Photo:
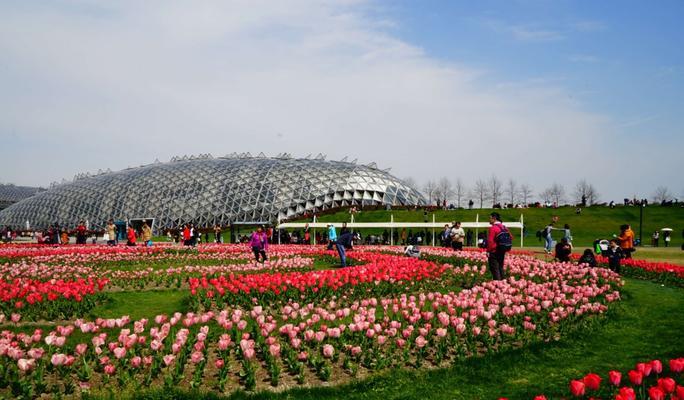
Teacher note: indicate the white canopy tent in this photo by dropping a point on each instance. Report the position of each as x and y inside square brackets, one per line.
[435, 226]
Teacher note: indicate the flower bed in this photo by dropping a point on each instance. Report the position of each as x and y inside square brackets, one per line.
[281, 324]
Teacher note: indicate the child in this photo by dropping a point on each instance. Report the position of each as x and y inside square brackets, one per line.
[614, 254]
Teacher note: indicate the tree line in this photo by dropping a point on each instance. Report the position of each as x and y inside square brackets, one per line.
[496, 191]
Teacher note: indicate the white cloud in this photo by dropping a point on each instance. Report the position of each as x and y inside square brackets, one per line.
[111, 85]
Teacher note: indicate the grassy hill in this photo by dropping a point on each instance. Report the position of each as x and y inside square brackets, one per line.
[593, 222]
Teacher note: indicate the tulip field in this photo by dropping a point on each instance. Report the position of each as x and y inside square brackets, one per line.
[296, 322]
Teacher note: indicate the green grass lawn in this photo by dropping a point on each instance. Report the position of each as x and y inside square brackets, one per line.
[142, 304]
[594, 222]
[643, 327]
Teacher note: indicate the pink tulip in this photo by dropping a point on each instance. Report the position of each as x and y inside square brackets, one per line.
[328, 351]
[169, 359]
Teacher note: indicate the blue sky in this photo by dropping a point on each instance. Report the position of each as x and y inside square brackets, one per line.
[621, 58]
[541, 92]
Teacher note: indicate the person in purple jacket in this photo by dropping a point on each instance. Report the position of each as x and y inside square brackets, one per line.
[259, 243]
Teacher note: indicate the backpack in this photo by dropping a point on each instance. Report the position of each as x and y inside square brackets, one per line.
[503, 240]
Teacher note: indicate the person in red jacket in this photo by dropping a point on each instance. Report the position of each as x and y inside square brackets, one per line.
[496, 249]
[130, 236]
[187, 235]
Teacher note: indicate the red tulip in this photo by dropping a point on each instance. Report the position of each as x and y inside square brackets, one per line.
[679, 392]
[657, 366]
[592, 381]
[577, 388]
[644, 368]
[677, 365]
[540, 397]
[636, 377]
[667, 384]
[656, 393]
[627, 393]
[615, 377]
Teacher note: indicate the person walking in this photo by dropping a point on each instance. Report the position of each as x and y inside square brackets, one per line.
[666, 238]
[614, 254]
[656, 237]
[259, 244]
[548, 238]
[146, 234]
[499, 242]
[626, 240]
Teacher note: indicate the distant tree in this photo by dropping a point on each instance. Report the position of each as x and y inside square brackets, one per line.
[480, 191]
[661, 194]
[443, 190]
[460, 190]
[586, 190]
[526, 192]
[429, 189]
[556, 193]
[495, 189]
[512, 191]
[546, 195]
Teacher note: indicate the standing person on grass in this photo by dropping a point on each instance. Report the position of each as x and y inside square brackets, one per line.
[627, 240]
[457, 236]
[259, 244]
[111, 233]
[499, 242]
[146, 234]
[615, 255]
[332, 236]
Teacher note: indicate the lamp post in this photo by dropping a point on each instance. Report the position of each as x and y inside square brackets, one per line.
[641, 221]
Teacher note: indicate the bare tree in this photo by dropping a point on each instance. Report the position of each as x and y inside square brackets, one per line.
[495, 189]
[585, 191]
[443, 190]
[525, 193]
[511, 191]
[480, 191]
[661, 194]
[459, 191]
[556, 193]
[429, 189]
[546, 195]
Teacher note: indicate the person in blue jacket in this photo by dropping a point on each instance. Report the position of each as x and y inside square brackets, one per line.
[332, 236]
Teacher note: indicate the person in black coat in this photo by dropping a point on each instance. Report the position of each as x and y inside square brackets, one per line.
[587, 258]
[615, 255]
[563, 250]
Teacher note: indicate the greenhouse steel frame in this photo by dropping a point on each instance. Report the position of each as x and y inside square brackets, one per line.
[209, 191]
